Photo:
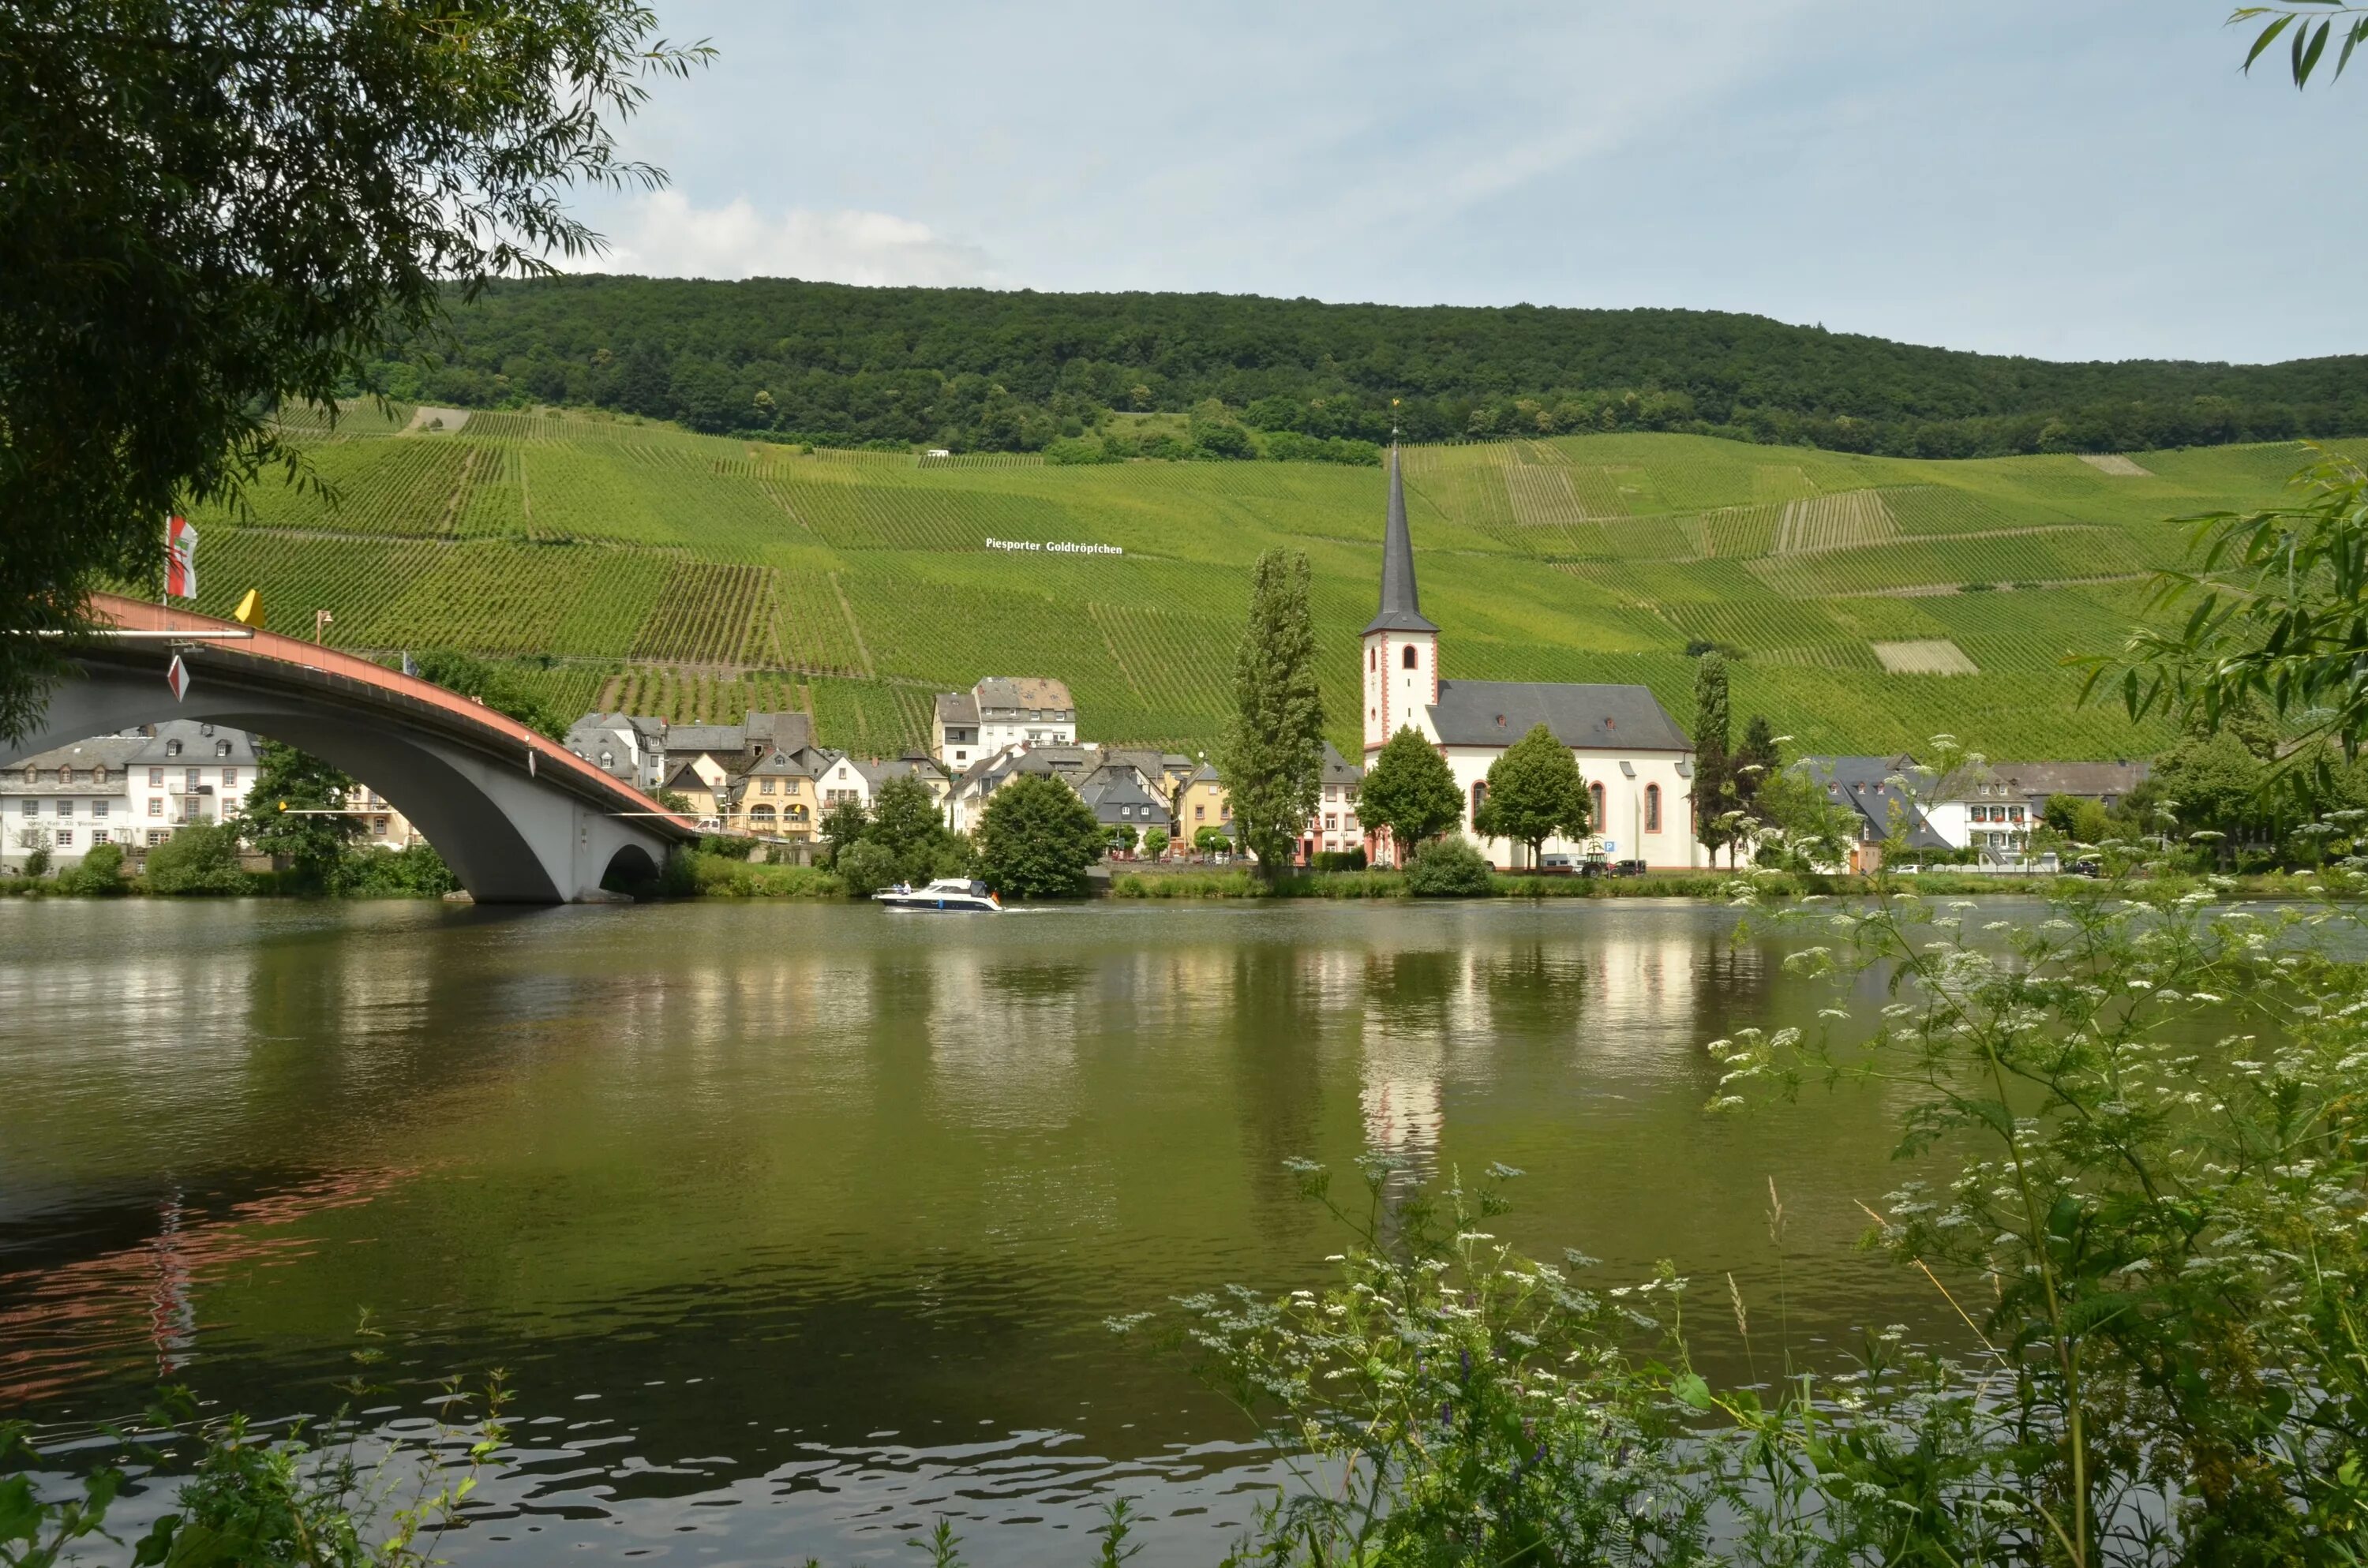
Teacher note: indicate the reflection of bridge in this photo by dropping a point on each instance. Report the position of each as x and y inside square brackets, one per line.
[517, 817]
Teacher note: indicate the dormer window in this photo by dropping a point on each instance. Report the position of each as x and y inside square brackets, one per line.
[172, 748]
[222, 748]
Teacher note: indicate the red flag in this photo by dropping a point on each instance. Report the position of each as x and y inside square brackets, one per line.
[180, 558]
[178, 677]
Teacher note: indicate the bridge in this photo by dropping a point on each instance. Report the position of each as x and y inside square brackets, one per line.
[518, 817]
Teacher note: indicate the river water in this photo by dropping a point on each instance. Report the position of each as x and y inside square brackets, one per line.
[794, 1227]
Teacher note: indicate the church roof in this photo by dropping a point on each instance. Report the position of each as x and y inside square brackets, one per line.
[1401, 602]
[1598, 718]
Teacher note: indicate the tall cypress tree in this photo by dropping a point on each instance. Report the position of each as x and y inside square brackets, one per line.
[1714, 769]
[1272, 756]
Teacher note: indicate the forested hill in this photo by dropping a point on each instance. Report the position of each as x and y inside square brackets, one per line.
[974, 369]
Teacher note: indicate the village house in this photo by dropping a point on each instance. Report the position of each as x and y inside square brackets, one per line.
[628, 747]
[1000, 711]
[1637, 764]
[189, 773]
[1201, 802]
[68, 800]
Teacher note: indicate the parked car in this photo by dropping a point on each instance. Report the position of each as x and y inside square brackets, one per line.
[1628, 867]
[1562, 863]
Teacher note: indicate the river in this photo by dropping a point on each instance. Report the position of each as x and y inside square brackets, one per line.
[795, 1227]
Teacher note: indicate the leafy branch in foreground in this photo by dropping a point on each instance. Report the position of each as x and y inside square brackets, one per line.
[2306, 45]
[2278, 614]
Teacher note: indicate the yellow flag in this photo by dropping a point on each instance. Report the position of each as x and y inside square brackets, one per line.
[250, 609]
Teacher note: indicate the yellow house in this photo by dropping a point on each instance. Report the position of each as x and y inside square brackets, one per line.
[1201, 802]
[776, 797]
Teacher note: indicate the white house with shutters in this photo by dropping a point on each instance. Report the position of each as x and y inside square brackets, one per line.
[1637, 764]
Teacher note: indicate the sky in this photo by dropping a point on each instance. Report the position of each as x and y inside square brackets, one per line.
[2086, 181]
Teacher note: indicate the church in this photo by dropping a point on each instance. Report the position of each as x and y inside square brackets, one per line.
[1637, 764]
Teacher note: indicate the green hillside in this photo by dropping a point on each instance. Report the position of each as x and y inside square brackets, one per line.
[641, 567]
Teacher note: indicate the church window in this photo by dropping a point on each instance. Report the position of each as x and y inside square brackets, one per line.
[1411, 657]
[1479, 798]
[1651, 808]
[1373, 658]
[1594, 799]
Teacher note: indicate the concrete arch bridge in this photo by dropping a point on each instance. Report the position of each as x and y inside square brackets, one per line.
[518, 817]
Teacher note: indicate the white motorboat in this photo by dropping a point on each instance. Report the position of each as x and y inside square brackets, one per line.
[946, 895]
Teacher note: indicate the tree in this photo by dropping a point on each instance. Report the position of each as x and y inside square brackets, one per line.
[468, 676]
[294, 810]
[907, 821]
[1534, 794]
[1038, 840]
[1756, 760]
[2077, 819]
[1272, 756]
[841, 825]
[1119, 836]
[1211, 840]
[1411, 792]
[2215, 784]
[675, 801]
[1714, 780]
[1154, 843]
[213, 206]
[200, 858]
[1798, 827]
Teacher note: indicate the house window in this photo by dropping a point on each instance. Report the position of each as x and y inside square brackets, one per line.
[32, 807]
[222, 748]
[156, 779]
[1200, 814]
[1651, 808]
[98, 807]
[65, 838]
[172, 748]
[377, 828]
[1331, 823]
[155, 836]
[98, 776]
[65, 808]
[229, 778]
[1411, 657]
[193, 786]
[155, 805]
[765, 787]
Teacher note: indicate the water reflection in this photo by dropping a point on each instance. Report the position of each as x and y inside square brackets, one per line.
[796, 1225]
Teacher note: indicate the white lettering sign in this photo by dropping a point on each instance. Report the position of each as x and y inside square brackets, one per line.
[1059, 547]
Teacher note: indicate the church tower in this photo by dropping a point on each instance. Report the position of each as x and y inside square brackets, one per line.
[1400, 648]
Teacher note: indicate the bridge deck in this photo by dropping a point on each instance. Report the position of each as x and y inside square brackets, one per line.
[407, 698]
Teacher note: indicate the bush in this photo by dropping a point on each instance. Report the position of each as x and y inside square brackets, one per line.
[725, 846]
[99, 875]
[1339, 860]
[1449, 867]
[414, 872]
[200, 859]
[866, 867]
[37, 861]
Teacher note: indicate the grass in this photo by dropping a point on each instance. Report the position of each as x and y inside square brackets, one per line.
[690, 575]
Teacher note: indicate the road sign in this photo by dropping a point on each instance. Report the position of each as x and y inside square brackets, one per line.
[176, 676]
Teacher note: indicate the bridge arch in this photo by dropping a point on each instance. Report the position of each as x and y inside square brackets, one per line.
[517, 817]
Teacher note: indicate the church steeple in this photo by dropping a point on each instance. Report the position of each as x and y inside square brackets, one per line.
[1401, 601]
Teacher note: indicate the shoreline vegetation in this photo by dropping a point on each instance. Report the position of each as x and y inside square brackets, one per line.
[699, 875]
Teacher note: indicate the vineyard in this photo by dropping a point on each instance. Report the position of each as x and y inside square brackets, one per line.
[1867, 601]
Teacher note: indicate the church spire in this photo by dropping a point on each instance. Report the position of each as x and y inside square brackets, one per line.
[1401, 602]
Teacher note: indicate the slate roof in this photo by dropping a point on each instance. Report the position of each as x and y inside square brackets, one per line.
[715, 739]
[1599, 718]
[1861, 784]
[1038, 692]
[957, 708]
[1401, 601]
[788, 732]
[2094, 780]
[114, 752]
[1110, 788]
[1339, 769]
[199, 743]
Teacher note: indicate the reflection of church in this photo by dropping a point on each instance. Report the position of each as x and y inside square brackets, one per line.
[1638, 764]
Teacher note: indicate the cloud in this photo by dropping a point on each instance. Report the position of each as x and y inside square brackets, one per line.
[662, 236]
